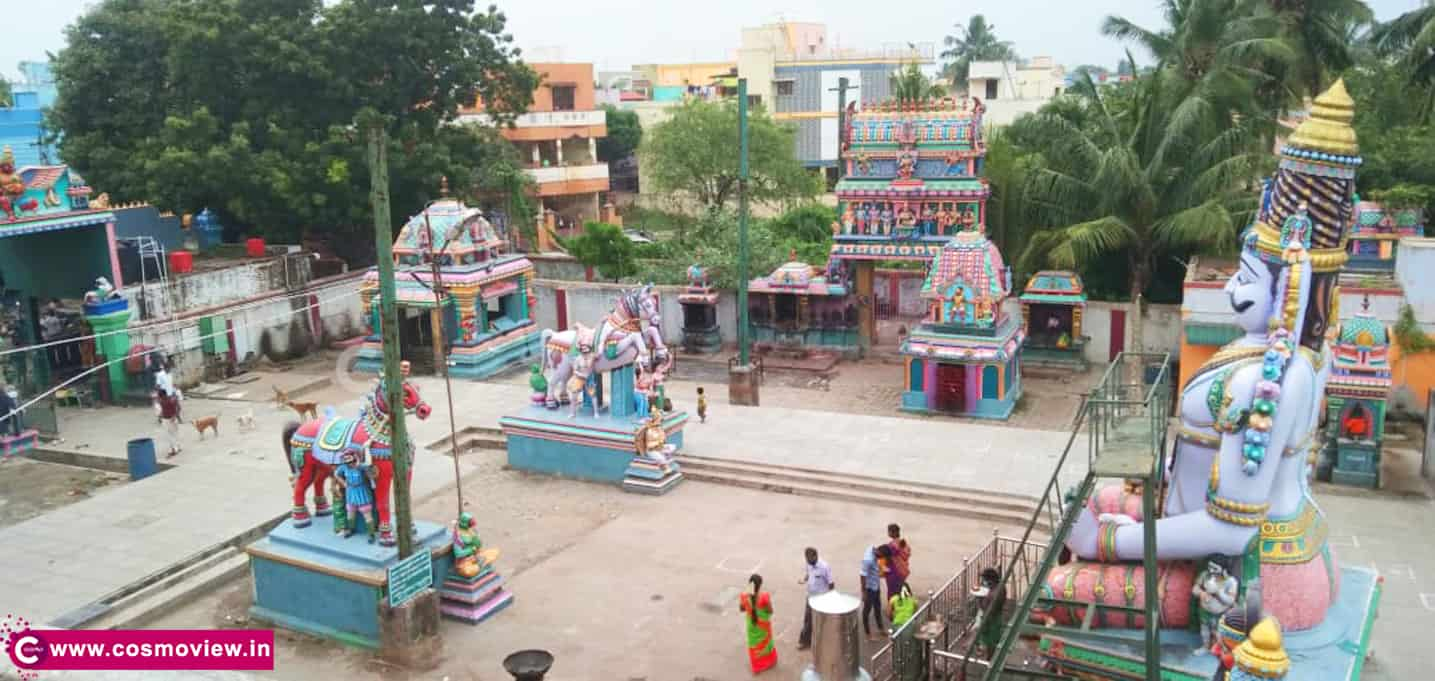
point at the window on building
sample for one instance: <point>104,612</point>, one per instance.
<point>992,89</point>
<point>563,97</point>
<point>1057,93</point>
<point>785,87</point>
<point>754,101</point>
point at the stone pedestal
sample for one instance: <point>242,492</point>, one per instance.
<point>312,580</point>
<point>474,599</point>
<point>742,385</point>
<point>601,449</point>
<point>408,634</point>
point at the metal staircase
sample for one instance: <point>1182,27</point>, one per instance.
<point>1124,422</point>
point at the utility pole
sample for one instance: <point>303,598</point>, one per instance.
<point>742,382</point>
<point>743,339</point>
<point>389,327</point>
<point>841,90</point>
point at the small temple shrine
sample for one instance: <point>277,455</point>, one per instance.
<point>1355,398</point>
<point>798,306</point>
<point>965,357</point>
<point>1375,236</point>
<point>701,334</point>
<point>911,181</point>
<point>486,315</point>
<point>1051,310</point>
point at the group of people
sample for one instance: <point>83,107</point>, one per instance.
<point>887,563</point>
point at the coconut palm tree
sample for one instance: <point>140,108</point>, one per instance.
<point>1210,45</point>
<point>1163,182</point>
<point>909,84</point>
<point>977,41</point>
<point>1411,37</point>
<point>1319,31</point>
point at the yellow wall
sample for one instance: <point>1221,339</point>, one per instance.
<point>679,75</point>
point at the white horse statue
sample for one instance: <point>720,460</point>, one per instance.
<point>620,339</point>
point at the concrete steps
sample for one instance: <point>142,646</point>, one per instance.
<point>471,439</point>
<point>998,507</point>
<point>162,596</point>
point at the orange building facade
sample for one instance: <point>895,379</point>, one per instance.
<point>558,140</point>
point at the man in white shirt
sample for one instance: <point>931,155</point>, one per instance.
<point>818,578</point>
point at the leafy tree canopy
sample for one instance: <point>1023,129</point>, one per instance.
<point>624,134</point>
<point>248,106</point>
<point>911,85</point>
<point>605,247</point>
<point>695,152</point>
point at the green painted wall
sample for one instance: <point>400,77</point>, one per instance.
<point>60,264</point>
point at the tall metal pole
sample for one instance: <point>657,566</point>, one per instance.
<point>842,88</point>
<point>389,325</point>
<point>439,292</point>
<point>743,339</point>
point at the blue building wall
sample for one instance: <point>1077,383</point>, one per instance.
<point>874,82</point>
<point>20,124</point>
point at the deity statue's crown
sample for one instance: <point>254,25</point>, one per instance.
<point>1311,200</point>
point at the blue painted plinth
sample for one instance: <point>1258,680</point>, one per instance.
<point>315,581</point>
<point>1333,651</point>
<point>548,441</point>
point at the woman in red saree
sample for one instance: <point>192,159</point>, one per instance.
<point>757,606</point>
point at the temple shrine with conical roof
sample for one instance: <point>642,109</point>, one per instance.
<point>484,316</point>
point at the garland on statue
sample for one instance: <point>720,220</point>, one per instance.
<point>1280,344</point>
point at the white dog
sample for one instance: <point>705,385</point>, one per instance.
<point>246,420</point>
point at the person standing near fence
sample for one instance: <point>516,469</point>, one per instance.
<point>818,578</point>
<point>992,601</point>
<point>898,567</point>
<point>871,579</point>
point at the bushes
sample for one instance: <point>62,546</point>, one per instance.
<point>605,247</point>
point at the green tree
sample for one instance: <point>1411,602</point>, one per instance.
<point>1214,51</point>
<point>5,96</point>
<point>909,84</point>
<point>977,41</point>
<point>1320,33</point>
<point>1411,38</point>
<point>248,106</point>
<point>695,152</point>
<point>624,134</point>
<point>605,247</point>
<point>1173,184</point>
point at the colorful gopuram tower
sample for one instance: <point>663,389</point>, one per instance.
<point>911,181</point>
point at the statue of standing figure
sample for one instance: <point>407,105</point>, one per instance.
<point>1215,591</point>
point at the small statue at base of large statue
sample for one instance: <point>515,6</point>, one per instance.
<point>316,447</point>
<point>469,556</point>
<point>1238,490</point>
<point>651,441</point>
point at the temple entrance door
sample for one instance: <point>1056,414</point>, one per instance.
<point>951,388</point>
<point>1118,334</point>
<point>416,339</point>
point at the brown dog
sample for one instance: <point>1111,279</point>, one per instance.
<point>281,399</point>
<point>210,422</point>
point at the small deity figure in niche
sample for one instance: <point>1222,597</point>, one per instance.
<point>959,304</point>
<point>969,219</point>
<point>847,219</point>
<point>984,310</point>
<point>906,164</point>
<point>906,219</point>
<point>885,227</point>
<point>929,218</point>
<point>1215,590</point>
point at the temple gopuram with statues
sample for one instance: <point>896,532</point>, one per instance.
<point>911,181</point>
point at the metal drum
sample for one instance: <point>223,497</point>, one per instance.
<point>836,650</point>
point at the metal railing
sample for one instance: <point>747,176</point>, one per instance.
<point>905,656</point>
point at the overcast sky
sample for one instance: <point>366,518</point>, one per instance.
<point>625,32</point>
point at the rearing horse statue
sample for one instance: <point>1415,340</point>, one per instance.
<point>316,446</point>
<point>620,339</point>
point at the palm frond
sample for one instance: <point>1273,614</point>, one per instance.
<point>1208,227</point>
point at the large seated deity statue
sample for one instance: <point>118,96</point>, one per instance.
<point>1238,489</point>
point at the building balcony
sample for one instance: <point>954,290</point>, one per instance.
<point>539,125</point>
<point>572,179</point>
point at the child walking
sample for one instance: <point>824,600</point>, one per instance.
<point>702,406</point>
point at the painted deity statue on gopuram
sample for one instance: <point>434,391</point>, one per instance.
<point>1237,502</point>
